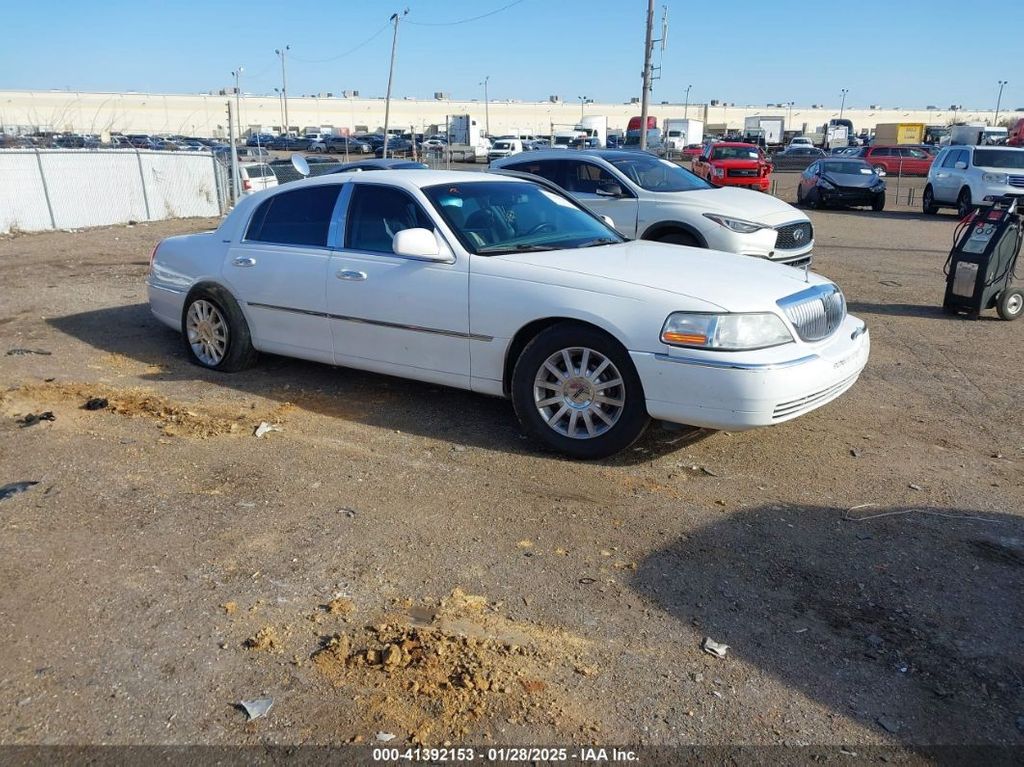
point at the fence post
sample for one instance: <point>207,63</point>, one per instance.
<point>46,189</point>
<point>216,185</point>
<point>142,178</point>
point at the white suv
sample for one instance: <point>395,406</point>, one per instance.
<point>648,198</point>
<point>962,177</point>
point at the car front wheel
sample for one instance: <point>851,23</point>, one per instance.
<point>879,202</point>
<point>963,202</point>
<point>215,332</point>
<point>575,389</point>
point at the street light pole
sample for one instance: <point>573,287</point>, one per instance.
<point>395,18</point>
<point>238,104</point>
<point>842,106</point>
<point>789,115</point>
<point>280,112</point>
<point>284,84</point>
<point>686,107</point>
<point>487,108</point>
<point>999,100</point>
<point>583,100</point>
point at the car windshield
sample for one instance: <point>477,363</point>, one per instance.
<point>496,217</point>
<point>847,167</point>
<point>657,175</point>
<point>735,153</point>
<point>999,158</point>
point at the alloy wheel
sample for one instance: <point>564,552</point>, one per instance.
<point>207,332</point>
<point>579,393</point>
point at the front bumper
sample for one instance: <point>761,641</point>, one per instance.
<point>736,391</point>
<point>759,244</point>
<point>849,196</point>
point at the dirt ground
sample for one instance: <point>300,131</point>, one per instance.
<point>398,558</point>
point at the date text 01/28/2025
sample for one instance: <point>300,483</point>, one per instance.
<point>504,754</point>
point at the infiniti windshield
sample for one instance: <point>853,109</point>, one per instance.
<point>656,175</point>
<point>496,217</point>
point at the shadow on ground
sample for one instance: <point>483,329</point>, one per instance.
<point>926,311</point>
<point>909,622</point>
<point>427,410</point>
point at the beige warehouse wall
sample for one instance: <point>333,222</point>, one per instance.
<point>205,115</point>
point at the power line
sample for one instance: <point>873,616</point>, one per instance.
<point>365,42</point>
<point>463,21</point>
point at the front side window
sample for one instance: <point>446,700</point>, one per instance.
<point>297,217</point>
<point>498,217</point>
<point>377,213</point>
<point>950,159</point>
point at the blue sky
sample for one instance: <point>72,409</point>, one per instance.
<point>792,50</point>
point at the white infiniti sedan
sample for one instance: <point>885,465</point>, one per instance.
<point>504,287</point>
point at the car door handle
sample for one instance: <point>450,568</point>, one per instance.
<point>351,274</point>
<point>244,261</point>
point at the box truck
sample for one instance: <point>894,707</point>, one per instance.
<point>466,139</point>
<point>595,127</point>
<point>887,134</point>
<point>680,133</point>
<point>768,131</point>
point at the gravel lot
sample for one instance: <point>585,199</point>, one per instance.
<point>399,558</point>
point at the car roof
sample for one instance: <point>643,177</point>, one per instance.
<point>735,143</point>
<point>561,154</point>
<point>390,163</point>
<point>412,178</point>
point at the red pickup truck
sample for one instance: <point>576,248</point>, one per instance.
<point>731,163</point>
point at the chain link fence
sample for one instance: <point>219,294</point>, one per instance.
<point>44,189</point>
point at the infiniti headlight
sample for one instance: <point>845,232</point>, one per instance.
<point>736,224</point>
<point>729,332</point>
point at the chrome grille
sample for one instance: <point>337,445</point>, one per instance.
<point>1016,181</point>
<point>815,312</point>
<point>743,172</point>
<point>796,235</point>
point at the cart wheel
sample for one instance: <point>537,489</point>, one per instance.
<point>1010,304</point>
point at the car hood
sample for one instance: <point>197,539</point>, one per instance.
<point>728,281</point>
<point>853,180</point>
<point>737,203</point>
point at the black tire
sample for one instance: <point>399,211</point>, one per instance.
<point>878,203</point>
<point>1010,304</point>
<point>679,238</point>
<point>879,169</point>
<point>963,202</point>
<point>799,196</point>
<point>928,201</point>
<point>240,353</point>
<point>632,418</point>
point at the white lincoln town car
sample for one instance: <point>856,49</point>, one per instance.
<point>506,287</point>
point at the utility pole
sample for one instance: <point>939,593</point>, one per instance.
<point>284,85</point>
<point>487,108</point>
<point>395,18</point>
<point>238,104</point>
<point>686,108</point>
<point>280,111</point>
<point>999,100</point>
<point>645,101</point>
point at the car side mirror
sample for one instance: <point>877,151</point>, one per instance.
<point>417,243</point>
<point>960,165</point>
<point>609,189</point>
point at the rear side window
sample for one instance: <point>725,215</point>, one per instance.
<point>552,170</point>
<point>377,213</point>
<point>298,217</point>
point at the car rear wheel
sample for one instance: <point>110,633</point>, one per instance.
<point>575,389</point>
<point>215,332</point>
<point>1010,304</point>
<point>963,202</point>
<point>928,202</point>
<point>878,203</point>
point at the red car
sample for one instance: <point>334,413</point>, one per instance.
<point>731,163</point>
<point>691,151</point>
<point>897,160</point>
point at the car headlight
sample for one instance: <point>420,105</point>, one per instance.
<point>729,332</point>
<point>995,178</point>
<point>736,224</point>
<point>826,184</point>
